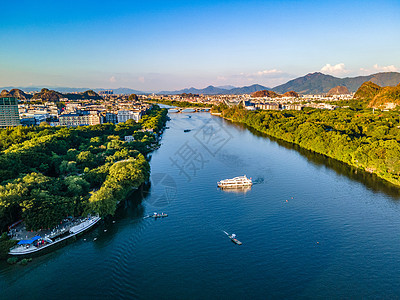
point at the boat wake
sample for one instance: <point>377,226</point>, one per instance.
<point>258,180</point>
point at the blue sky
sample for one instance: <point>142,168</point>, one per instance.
<point>165,45</point>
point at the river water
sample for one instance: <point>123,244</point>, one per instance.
<point>311,227</point>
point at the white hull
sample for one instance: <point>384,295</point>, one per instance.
<point>21,250</point>
<point>234,183</point>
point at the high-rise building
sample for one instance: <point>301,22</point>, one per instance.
<point>9,115</point>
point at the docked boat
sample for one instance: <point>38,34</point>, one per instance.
<point>237,182</point>
<point>39,243</point>
<point>233,238</point>
<point>156,215</point>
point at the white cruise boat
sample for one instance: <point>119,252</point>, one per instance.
<point>237,182</point>
<point>39,243</point>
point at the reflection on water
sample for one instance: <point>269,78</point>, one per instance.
<point>242,190</point>
<point>370,180</point>
<point>307,231</point>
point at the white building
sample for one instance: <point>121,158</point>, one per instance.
<point>129,138</point>
<point>125,115</point>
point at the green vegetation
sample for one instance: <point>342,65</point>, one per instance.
<point>318,83</point>
<point>5,245</point>
<point>52,96</point>
<point>48,173</point>
<point>133,97</point>
<point>377,96</point>
<point>12,260</point>
<point>24,261</point>
<point>355,136</point>
<point>180,103</point>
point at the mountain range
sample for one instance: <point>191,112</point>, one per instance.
<point>212,90</point>
<point>377,96</point>
<point>318,83</point>
<point>312,83</point>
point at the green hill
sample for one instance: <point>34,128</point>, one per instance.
<point>53,96</point>
<point>48,95</point>
<point>379,97</point>
<point>367,91</point>
<point>88,95</point>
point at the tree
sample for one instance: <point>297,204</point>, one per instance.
<point>133,97</point>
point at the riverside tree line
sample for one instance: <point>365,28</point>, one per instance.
<point>355,135</point>
<point>48,173</point>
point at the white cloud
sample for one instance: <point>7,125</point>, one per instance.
<point>112,79</point>
<point>221,78</point>
<point>141,79</point>
<point>337,69</point>
<point>267,72</point>
<point>390,68</point>
<point>376,68</point>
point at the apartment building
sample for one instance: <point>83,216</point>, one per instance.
<point>83,118</point>
<point>9,115</point>
<point>125,115</point>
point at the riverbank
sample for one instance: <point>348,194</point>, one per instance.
<point>50,173</point>
<point>355,224</point>
<point>353,137</point>
<point>183,104</point>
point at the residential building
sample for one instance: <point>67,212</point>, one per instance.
<point>269,106</point>
<point>9,115</point>
<point>109,117</point>
<point>82,118</point>
<point>129,138</point>
<point>125,115</point>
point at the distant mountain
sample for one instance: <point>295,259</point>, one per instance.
<point>291,94</point>
<point>265,93</point>
<point>68,89</point>
<point>212,90</point>
<point>25,89</point>
<point>318,83</point>
<point>367,91</point>
<point>48,95</point>
<point>388,97</point>
<point>338,90</point>
<point>226,87</point>
<point>247,89</point>
<point>5,93</point>
<point>54,96</point>
<point>378,97</point>
<point>15,93</point>
<point>87,95</point>
<point>126,91</point>
<point>272,94</point>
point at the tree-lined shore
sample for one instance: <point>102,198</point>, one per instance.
<point>357,136</point>
<point>48,173</point>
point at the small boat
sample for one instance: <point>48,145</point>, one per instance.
<point>39,243</point>
<point>156,215</point>
<point>233,238</point>
<point>237,182</point>
<point>186,130</point>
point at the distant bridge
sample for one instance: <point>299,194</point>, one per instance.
<point>188,109</point>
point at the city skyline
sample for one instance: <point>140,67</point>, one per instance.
<point>157,46</point>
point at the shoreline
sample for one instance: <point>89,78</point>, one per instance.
<point>367,170</point>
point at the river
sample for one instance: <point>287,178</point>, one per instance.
<point>311,227</point>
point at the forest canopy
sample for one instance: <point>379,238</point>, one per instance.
<point>48,173</point>
<point>357,136</point>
